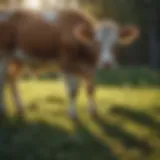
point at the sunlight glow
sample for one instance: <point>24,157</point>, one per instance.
<point>33,4</point>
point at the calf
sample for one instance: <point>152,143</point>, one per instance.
<point>67,38</point>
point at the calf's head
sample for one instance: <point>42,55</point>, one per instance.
<point>109,34</point>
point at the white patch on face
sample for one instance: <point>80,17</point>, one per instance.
<point>108,37</point>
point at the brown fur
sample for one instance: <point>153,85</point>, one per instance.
<point>69,41</point>
<point>56,41</point>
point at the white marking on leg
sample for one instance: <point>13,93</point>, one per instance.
<point>91,103</point>
<point>72,108</point>
<point>92,106</point>
<point>72,87</point>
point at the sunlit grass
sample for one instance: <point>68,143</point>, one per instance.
<point>128,127</point>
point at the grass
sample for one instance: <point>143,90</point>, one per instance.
<point>128,127</point>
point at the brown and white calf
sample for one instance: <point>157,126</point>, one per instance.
<point>67,38</point>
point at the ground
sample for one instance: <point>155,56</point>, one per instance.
<point>128,127</point>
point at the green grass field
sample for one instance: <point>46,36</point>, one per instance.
<point>128,127</point>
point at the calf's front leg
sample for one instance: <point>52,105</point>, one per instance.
<point>72,86</point>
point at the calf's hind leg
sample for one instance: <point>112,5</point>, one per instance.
<point>3,72</point>
<point>13,73</point>
<point>90,89</point>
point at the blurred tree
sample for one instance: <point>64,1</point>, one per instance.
<point>152,14</point>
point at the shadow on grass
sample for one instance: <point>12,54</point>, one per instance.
<point>137,116</point>
<point>24,140</point>
<point>92,147</point>
<point>156,110</point>
<point>34,105</point>
<point>21,139</point>
<point>54,99</point>
<point>128,140</point>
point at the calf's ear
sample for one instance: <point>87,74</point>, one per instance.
<point>128,34</point>
<point>81,33</point>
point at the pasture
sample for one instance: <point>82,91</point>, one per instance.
<point>128,127</point>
